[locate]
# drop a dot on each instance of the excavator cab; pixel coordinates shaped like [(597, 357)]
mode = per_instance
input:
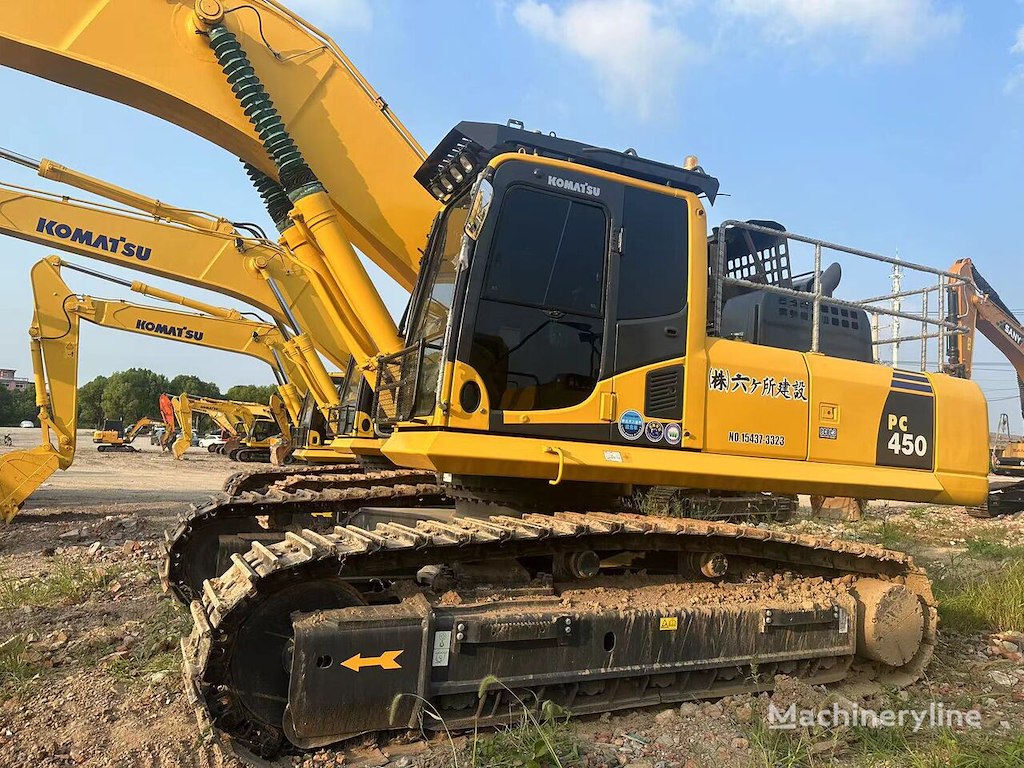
[(113, 429), (575, 332)]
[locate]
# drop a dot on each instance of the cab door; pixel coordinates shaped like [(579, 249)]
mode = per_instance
[(538, 331), (650, 280)]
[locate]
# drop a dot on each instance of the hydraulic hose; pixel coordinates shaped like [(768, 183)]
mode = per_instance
[(274, 197), (297, 177)]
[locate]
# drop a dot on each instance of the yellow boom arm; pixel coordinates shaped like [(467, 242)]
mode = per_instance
[(147, 54), (211, 256), (55, 341), (238, 418)]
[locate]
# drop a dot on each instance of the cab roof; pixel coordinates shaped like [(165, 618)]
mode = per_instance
[(445, 173)]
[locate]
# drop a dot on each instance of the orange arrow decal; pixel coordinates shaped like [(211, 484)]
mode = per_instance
[(386, 660)]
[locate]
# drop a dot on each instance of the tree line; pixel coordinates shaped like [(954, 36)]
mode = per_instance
[(127, 395)]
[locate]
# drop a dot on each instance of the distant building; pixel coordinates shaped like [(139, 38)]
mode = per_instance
[(9, 381)]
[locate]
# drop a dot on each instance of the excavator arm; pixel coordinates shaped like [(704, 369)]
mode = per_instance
[(138, 428), (154, 55), (980, 308), (191, 248), (55, 341), (184, 407)]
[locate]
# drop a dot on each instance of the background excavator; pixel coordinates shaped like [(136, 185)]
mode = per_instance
[(981, 308), (256, 429), (206, 251), (54, 338), (115, 438), (538, 376)]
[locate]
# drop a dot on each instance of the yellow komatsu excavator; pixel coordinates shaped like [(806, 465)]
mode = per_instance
[(206, 251), (255, 428), (186, 246), (184, 417), (576, 329), (55, 340), (115, 438)]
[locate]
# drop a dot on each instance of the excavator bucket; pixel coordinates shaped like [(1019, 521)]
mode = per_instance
[(21, 472)]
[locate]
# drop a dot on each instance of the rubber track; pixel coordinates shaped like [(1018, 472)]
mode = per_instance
[(353, 491), (227, 599)]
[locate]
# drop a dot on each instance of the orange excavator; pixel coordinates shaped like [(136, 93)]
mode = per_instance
[(980, 308)]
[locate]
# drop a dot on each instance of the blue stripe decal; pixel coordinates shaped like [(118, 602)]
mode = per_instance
[(915, 388), (910, 376)]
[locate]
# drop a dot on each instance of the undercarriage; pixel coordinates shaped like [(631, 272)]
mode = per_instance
[(371, 628), (262, 504)]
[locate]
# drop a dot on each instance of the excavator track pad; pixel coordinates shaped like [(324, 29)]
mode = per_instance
[(201, 544), (326, 636)]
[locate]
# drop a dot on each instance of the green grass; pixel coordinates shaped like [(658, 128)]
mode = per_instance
[(993, 550), (15, 670), (538, 739), (772, 748), (887, 534), (897, 747), (965, 749), (157, 649), (992, 599), (545, 743), (68, 582)]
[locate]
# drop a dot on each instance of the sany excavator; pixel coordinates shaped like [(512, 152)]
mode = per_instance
[(54, 337), (254, 427), (115, 438), (981, 308), (575, 330)]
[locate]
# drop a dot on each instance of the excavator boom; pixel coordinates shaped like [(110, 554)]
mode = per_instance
[(224, 262), (982, 309), (55, 342), (351, 139)]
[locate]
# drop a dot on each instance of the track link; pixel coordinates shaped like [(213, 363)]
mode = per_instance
[(309, 557), (261, 480), (191, 548)]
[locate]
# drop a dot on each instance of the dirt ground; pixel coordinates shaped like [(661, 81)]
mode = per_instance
[(89, 657)]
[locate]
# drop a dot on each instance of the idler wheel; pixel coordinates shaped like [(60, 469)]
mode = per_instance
[(890, 621)]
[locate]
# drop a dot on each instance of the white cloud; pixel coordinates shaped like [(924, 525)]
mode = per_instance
[(1015, 81), (633, 46), (347, 14), (890, 28)]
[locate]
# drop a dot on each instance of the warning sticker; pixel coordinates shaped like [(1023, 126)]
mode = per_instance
[(668, 623)]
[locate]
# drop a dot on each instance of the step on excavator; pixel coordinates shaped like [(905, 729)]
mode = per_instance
[(539, 375), (54, 337)]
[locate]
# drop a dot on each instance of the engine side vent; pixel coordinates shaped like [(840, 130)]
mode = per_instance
[(663, 394)]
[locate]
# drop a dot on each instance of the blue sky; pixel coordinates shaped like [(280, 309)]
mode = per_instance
[(883, 124)]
